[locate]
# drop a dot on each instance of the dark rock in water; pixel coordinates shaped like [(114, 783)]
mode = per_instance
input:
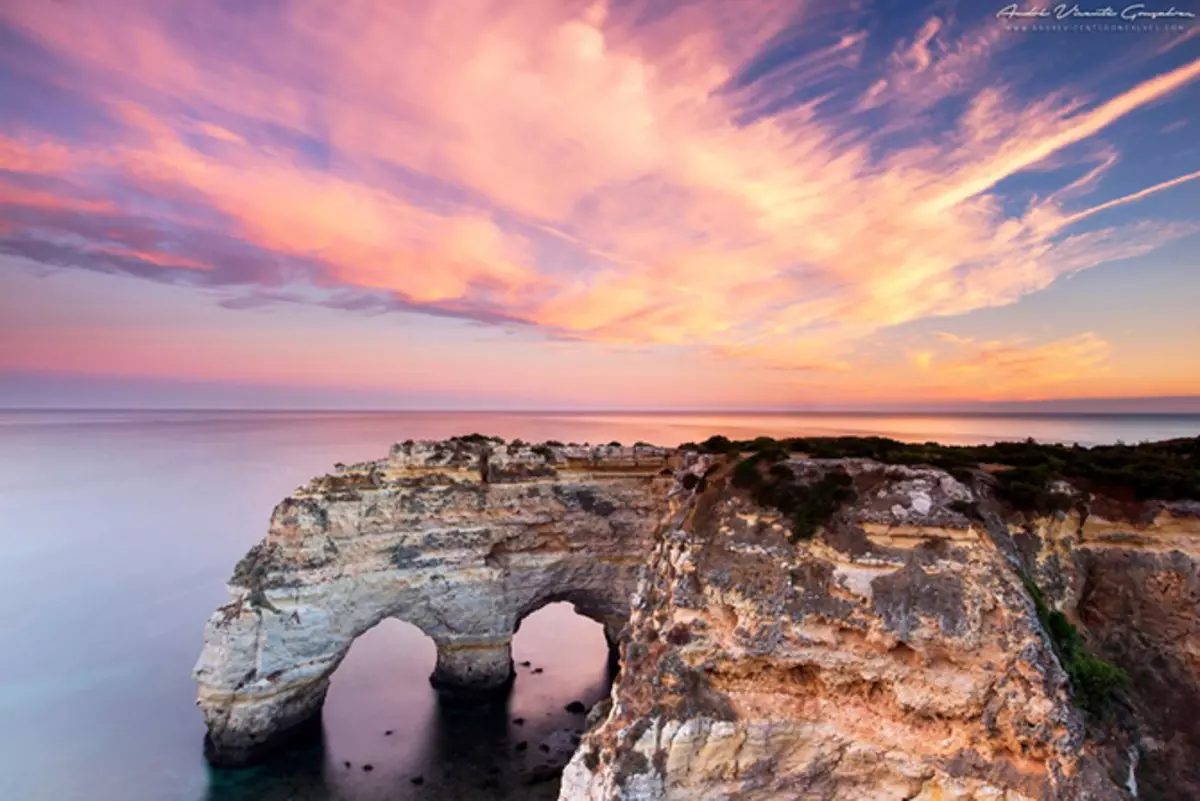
[(576, 708), (521, 746), (518, 721), (524, 664), (536, 670), (544, 748), (543, 773), (387, 733), (347, 763), (368, 767), (417, 780)]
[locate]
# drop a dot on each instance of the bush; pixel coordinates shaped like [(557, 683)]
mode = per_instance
[(1094, 682), (1028, 489), (808, 506), (763, 444), (716, 444), (745, 474), (475, 439), (818, 502)]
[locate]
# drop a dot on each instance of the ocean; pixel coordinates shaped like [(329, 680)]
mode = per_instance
[(119, 529)]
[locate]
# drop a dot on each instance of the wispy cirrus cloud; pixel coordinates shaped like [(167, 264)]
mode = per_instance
[(1013, 367), (617, 172)]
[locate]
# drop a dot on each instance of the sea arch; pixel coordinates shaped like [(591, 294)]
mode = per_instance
[(462, 539)]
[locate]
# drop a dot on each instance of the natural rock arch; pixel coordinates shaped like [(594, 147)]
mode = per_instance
[(462, 539)]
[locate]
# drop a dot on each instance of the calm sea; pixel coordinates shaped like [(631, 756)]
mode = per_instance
[(119, 529)]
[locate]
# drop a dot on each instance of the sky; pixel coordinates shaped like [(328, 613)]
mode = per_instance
[(707, 204)]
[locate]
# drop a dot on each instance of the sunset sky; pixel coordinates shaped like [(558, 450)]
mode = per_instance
[(686, 205)]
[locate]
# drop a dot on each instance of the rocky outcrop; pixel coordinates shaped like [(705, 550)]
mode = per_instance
[(897, 655), (462, 538), (1129, 573), (892, 633)]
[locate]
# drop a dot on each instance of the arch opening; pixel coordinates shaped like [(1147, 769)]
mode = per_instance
[(381, 686), (511, 748)]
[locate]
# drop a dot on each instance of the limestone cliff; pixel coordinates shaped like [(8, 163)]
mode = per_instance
[(840, 629), (897, 655)]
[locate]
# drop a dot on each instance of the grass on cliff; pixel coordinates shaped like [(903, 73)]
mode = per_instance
[(1094, 681), (1168, 470), (807, 505)]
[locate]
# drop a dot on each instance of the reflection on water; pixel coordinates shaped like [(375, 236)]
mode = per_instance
[(119, 529), (385, 735)]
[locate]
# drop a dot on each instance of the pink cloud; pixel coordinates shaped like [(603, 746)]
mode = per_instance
[(784, 240)]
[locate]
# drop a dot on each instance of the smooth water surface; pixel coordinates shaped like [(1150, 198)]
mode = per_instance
[(119, 529)]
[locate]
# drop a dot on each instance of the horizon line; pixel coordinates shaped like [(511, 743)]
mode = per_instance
[(534, 411)]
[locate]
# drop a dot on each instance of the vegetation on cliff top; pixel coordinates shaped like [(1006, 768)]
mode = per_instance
[(1167, 470), (477, 439), (807, 505), (1094, 681)]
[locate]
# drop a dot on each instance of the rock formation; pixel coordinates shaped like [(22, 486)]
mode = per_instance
[(896, 656), (1129, 573), (907, 642), (463, 539)]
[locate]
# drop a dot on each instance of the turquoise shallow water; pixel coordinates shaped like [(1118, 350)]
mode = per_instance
[(118, 530)]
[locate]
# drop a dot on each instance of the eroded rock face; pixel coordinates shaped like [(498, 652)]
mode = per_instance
[(462, 539), (895, 656), (1130, 575)]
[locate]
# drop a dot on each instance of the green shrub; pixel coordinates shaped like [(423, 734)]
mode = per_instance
[(819, 501), (717, 444), (745, 474), (808, 506), (1094, 681), (476, 439), (968, 509)]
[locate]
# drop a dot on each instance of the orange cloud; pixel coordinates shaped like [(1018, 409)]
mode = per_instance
[(1008, 368)]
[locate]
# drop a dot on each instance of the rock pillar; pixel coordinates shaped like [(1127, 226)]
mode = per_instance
[(472, 668), (243, 732)]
